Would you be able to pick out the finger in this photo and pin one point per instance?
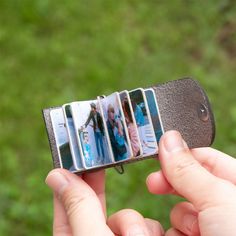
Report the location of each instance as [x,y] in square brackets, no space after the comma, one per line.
[131,223]
[174,232]
[61,225]
[218,163]
[154,227]
[158,184]
[96,180]
[83,208]
[188,177]
[184,217]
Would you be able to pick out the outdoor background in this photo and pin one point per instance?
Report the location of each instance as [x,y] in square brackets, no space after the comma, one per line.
[54,52]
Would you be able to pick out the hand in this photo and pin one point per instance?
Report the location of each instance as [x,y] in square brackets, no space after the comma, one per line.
[80,209]
[206,178]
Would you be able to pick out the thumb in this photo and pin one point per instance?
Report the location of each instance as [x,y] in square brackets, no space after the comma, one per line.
[83,208]
[188,177]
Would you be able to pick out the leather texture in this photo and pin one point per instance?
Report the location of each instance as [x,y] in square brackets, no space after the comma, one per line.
[184,106]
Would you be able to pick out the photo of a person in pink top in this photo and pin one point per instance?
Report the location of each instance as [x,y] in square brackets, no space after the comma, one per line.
[132,127]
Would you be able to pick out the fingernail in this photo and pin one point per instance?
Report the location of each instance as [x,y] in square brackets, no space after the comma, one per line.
[56,181]
[136,230]
[173,141]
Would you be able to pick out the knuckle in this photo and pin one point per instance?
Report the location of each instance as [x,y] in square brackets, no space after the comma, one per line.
[183,168]
[74,200]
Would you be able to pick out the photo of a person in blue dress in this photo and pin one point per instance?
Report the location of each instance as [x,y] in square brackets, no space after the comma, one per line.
[89,159]
[116,134]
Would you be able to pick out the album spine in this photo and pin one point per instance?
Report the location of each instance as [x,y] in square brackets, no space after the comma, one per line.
[51,138]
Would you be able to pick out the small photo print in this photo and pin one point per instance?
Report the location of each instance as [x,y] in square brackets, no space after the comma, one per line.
[154,112]
[143,121]
[75,152]
[116,127]
[131,123]
[62,139]
[90,133]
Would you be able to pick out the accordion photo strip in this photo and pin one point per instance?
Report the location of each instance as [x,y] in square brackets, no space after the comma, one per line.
[126,126]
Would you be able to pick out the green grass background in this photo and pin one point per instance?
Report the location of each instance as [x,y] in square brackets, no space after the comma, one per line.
[54,52]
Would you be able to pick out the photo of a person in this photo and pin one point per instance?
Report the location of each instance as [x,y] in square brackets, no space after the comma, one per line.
[143,121]
[118,135]
[98,129]
[90,133]
[89,160]
[131,124]
[140,120]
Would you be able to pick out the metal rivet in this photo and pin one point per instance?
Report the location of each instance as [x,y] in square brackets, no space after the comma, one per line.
[203,112]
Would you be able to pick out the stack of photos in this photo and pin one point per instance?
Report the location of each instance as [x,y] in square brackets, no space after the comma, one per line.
[114,129]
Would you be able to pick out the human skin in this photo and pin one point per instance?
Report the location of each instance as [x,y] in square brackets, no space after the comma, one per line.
[206,178]
[80,209]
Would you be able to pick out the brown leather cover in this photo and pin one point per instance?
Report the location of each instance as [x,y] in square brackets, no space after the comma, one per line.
[183,106]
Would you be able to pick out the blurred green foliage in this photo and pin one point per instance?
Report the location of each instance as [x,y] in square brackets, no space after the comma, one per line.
[54,52]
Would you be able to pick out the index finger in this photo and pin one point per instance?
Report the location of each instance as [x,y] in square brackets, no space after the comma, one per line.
[216,162]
